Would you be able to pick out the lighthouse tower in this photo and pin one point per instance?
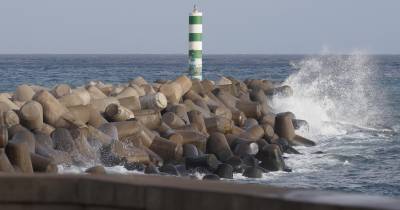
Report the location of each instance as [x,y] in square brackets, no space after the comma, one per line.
[195,44]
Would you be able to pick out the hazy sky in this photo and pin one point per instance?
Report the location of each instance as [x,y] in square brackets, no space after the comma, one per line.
[230,26]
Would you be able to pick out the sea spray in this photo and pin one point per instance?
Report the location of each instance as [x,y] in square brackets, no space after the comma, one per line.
[340,97]
[333,91]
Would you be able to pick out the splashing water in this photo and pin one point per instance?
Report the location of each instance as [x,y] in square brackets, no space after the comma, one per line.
[341,98]
[333,90]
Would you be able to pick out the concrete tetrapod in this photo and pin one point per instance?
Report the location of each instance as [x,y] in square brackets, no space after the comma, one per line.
[218,145]
[284,128]
[32,115]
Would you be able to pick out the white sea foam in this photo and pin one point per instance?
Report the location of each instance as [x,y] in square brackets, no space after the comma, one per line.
[71,169]
[80,169]
[331,91]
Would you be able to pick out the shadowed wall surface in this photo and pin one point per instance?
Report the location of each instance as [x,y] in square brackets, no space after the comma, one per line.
[157,192]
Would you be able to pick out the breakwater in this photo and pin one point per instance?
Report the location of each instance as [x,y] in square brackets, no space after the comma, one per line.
[177,127]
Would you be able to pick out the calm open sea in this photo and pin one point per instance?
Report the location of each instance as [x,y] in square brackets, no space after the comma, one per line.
[351,103]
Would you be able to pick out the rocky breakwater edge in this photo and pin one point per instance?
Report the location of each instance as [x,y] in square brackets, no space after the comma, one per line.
[179,127]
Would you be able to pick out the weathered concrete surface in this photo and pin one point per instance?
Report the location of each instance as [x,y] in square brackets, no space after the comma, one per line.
[159,192]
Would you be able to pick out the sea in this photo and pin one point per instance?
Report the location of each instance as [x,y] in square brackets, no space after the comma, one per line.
[351,103]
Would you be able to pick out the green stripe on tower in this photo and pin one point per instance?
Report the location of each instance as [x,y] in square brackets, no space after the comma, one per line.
[195,19]
[195,53]
[195,37]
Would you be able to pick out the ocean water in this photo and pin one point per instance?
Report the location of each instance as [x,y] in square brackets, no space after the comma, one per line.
[350,101]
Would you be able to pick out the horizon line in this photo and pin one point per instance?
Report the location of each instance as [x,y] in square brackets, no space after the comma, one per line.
[206,54]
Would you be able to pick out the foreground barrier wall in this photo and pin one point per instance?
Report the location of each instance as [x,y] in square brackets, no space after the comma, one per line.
[159,192]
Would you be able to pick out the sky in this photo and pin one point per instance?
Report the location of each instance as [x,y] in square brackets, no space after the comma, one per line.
[229,26]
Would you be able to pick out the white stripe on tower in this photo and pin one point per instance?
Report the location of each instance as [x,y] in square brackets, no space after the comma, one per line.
[195,28]
[195,44]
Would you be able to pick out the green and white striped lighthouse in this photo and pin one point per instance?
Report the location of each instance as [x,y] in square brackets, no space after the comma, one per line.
[195,44]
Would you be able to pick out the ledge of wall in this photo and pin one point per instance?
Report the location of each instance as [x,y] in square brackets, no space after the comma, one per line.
[45,191]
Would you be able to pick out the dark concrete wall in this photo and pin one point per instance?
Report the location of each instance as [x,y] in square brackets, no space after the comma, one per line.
[159,192]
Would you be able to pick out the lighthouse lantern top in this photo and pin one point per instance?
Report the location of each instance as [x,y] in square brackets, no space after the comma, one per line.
[195,11]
